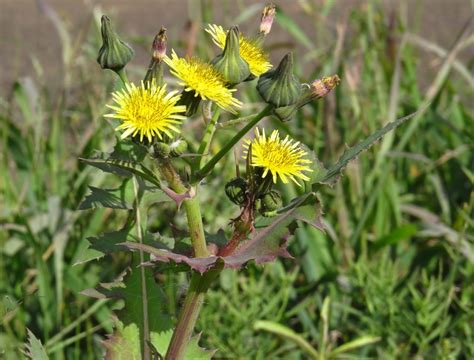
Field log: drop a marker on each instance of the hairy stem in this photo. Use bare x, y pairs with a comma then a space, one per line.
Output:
206, 169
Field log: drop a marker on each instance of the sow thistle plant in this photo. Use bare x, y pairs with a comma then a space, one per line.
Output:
150, 153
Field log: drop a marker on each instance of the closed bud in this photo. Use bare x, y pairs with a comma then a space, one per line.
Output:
266, 21
321, 87
317, 90
280, 87
162, 150
114, 53
155, 69
229, 63
159, 45
178, 147
236, 190
271, 201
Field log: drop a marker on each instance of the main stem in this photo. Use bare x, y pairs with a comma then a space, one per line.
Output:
206, 169
199, 283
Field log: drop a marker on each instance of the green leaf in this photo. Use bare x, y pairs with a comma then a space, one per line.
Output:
119, 198
401, 233
124, 344
103, 244
331, 175
34, 348
286, 333
354, 344
123, 168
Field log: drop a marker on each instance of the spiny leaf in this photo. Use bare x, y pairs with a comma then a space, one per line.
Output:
108, 198
103, 244
332, 174
34, 348
265, 245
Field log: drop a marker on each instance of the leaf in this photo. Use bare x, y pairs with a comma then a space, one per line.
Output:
105, 243
265, 245
108, 198
34, 348
124, 344
125, 160
288, 334
331, 175
399, 234
354, 344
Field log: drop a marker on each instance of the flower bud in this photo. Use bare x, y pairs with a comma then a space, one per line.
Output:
280, 87
235, 190
162, 150
155, 69
266, 21
178, 147
271, 201
114, 53
318, 89
229, 63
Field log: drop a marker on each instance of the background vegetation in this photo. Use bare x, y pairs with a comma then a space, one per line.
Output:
396, 261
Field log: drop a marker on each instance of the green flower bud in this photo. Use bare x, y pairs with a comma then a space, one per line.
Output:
162, 150
280, 87
235, 190
114, 53
318, 89
271, 201
178, 147
155, 69
229, 63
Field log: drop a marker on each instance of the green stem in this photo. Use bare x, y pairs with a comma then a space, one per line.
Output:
199, 283
206, 169
206, 140
123, 76
146, 328
191, 206
189, 313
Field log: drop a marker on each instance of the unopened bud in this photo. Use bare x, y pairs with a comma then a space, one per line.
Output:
114, 53
162, 150
318, 89
178, 147
159, 45
321, 87
236, 190
266, 21
280, 87
155, 69
229, 63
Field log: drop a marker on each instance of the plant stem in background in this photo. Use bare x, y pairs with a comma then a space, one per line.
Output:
206, 169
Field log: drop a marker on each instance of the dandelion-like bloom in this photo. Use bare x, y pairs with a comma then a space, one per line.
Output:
283, 158
203, 79
250, 51
146, 111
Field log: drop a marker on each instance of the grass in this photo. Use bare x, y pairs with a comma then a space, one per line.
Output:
396, 260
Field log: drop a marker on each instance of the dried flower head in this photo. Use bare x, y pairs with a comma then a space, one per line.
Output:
203, 79
147, 111
250, 50
283, 158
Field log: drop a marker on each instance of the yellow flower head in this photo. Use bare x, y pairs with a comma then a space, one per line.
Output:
146, 111
283, 158
250, 51
204, 79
